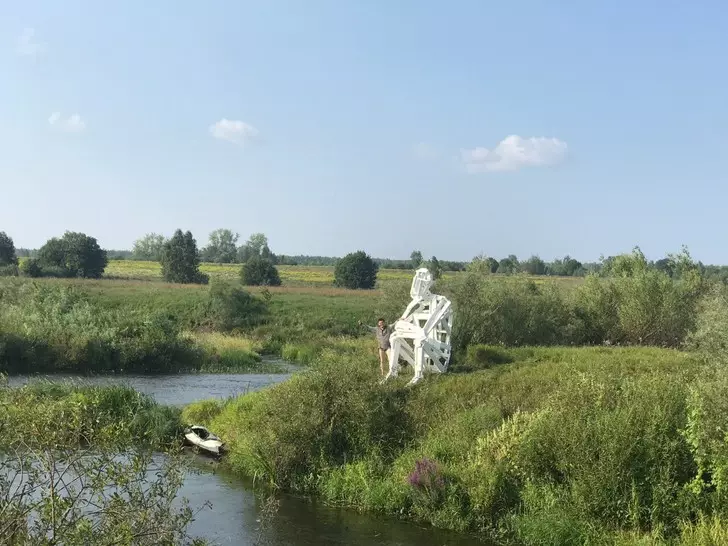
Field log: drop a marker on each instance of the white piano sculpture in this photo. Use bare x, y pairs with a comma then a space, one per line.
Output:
422, 335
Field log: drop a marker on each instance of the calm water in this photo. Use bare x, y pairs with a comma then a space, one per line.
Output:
172, 390
233, 517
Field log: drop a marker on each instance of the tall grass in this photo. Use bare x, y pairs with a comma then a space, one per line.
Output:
67, 415
556, 446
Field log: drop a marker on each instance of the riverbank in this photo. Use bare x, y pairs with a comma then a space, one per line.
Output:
538, 446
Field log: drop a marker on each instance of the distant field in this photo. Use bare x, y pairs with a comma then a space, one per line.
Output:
291, 275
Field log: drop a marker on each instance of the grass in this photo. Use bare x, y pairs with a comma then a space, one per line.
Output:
554, 446
71, 414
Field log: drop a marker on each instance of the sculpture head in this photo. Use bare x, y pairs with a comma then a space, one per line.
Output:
421, 283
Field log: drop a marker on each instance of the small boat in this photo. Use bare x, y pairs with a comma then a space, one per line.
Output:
201, 438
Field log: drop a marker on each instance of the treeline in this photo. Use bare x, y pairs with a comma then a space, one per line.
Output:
76, 254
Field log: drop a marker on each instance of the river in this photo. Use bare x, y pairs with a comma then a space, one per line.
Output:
233, 517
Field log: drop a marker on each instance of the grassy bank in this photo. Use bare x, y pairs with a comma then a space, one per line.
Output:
532, 445
81, 465
152, 327
45, 414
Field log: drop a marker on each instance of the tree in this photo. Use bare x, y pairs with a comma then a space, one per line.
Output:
534, 266
482, 264
222, 247
416, 259
76, 254
256, 245
508, 266
260, 271
149, 247
181, 260
435, 268
356, 270
7, 250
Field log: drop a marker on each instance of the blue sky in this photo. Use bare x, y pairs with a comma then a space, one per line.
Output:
460, 127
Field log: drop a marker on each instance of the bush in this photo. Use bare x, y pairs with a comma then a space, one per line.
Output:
710, 336
59, 328
356, 270
259, 271
232, 308
31, 268
508, 312
97, 445
9, 271
332, 414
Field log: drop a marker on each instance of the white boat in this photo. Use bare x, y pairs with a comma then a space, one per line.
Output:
198, 436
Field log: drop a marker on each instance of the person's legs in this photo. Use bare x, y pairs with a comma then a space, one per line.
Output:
383, 360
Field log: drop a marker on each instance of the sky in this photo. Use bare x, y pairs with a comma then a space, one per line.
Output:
456, 128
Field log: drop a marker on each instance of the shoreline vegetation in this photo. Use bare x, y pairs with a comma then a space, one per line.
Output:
587, 412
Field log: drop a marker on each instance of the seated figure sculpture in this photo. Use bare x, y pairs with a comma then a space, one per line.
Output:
422, 335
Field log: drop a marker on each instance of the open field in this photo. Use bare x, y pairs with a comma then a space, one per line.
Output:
291, 275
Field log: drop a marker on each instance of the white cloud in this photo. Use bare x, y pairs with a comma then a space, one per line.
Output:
424, 151
235, 131
513, 153
72, 124
27, 45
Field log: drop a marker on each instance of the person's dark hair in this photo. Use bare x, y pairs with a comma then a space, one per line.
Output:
384, 321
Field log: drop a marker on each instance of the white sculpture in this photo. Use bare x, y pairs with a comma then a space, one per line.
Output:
422, 335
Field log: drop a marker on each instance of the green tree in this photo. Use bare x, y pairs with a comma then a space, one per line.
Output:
222, 247
435, 268
534, 266
483, 264
181, 260
76, 254
356, 270
509, 265
253, 247
260, 271
7, 250
149, 247
416, 259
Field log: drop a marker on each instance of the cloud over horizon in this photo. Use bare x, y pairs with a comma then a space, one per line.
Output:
235, 131
72, 124
515, 152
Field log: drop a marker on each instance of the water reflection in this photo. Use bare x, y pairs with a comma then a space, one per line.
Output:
235, 513
172, 390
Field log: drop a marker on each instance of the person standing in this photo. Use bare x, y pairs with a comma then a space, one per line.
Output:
382, 332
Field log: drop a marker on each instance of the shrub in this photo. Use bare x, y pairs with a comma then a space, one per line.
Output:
259, 271
639, 306
710, 336
9, 271
332, 414
513, 312
31, 268
232, 308
59, 328
356, 270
